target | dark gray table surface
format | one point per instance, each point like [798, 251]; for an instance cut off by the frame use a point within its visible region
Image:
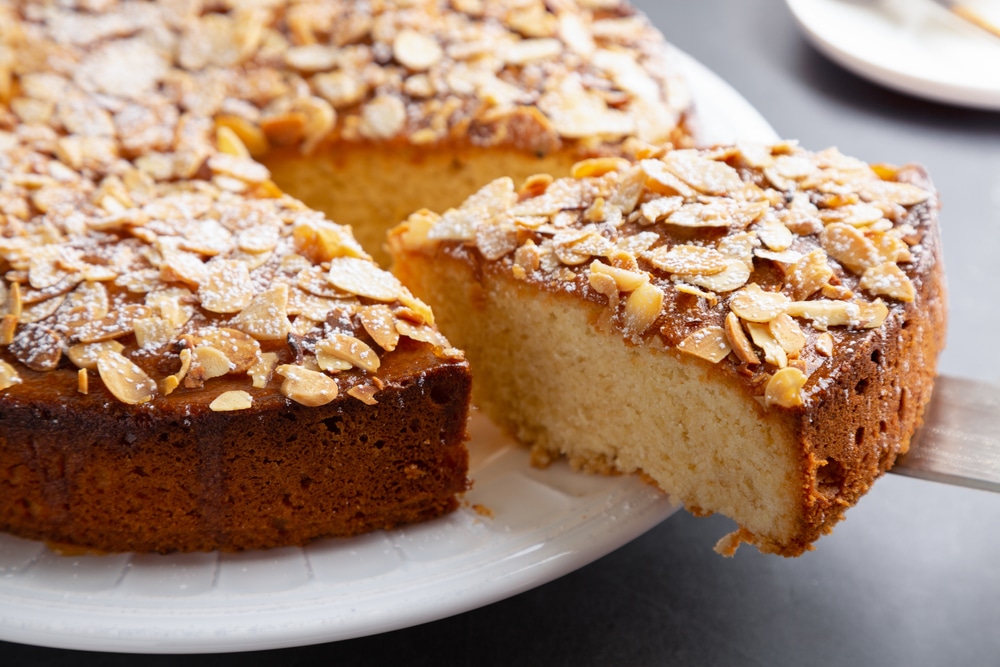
[910, 578]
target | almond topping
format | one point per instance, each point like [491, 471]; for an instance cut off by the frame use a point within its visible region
[642, 308]
[229, 401]
[755, 305]
[688, 260]
[265, 317]
[849, 246]
[709, 343]
[363, 278]
[8, 375]
[260, 372]
[126, 381]
[625, 280]
[380, 324]
[824, 344]
[784, 388]
[774, 354]
[349, 349]
[227, 287]
[739, 341]
[308, 387]
[888, 280]
[415, 51]
[788, 333]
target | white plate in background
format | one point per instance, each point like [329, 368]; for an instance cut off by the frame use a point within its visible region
[541, 524]
[912, 46]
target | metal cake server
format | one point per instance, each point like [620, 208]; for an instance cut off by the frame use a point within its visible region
[959, 442]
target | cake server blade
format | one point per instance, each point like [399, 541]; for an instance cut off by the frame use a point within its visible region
[959, 442]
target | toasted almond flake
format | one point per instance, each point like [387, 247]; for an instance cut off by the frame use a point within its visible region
[808, 275]
[230, 401]
[889, 280]
[415, 51]
[774, 234]
[788, 333]
[250, 137]
[41, 310]
[687, 259]
[83, 381]
[684, 288]
[212, 361]
[707, 176]
[661, 180]
[8, 327]
[226, 287]
[594, 167]
[171, 382]
[321, 240]
[823, 313]
[364, 393]
[659, 209]
[850, 247]
[734, 276]
[717, 213]
[904, 194]
[625, 280]
[347, 348]
[383, 118]
[761, 335]
[824, 344]
[126, 381]
[260, 372]
[380, 324]
[265, 316]
[8, 376]
[308, 387]
[755, 305]
[708, 343]
[642, 308]
[423, 333]
[872, 315]
[784, 388]
[312, 57]
[363, 278]
[115, 324]
[739, 341]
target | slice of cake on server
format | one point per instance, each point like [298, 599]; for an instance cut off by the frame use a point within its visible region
[755, 328]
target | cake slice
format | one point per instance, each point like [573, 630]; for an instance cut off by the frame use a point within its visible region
[754, 328]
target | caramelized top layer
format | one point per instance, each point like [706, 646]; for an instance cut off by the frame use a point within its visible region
[769, 259]
[149, 78]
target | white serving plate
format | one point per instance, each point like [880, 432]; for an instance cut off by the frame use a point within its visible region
[912, 46]
[541, 524]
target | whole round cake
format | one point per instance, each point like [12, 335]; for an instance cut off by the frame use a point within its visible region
[192, 359]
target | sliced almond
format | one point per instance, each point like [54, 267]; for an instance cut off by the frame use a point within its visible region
[265, 316]
[212, 362]
[761, 335]
[260, 372]
[231, 401]
[808, 275]
[415, 51]
[734, 276]
[624, 279]
[708, 343]
[363, 278]
[687, 259]
[8, 376]
[84, 355]
[784, 388]
[889, 280]
[739, 341]
[126, 381]
[707, 176]
[824, 344]
[380, 324]
[642, 308]
[849, 246]
[308, 387]
[364, 393]
[788, 333]
[349, 349]
[755, 305]
[226, 288]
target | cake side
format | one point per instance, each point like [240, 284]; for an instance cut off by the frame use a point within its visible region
[784, 276]
[174, 475]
